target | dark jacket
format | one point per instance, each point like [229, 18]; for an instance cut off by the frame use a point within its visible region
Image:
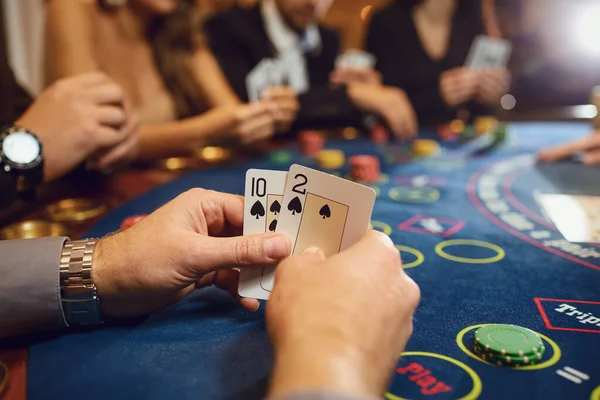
[239, 41]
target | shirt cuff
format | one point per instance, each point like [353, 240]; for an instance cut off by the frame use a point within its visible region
[29, 286]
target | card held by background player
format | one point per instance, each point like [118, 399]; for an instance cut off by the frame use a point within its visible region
[322, 210]
[262, 205]
[487, 52]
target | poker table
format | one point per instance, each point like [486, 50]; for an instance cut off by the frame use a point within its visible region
[471, 234]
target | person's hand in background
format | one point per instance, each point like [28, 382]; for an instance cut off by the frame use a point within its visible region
[347, 75]
[458, 85]
[492, 85]
[339, 324]
[588, 147]
[248, 123]
[77, 117]
[392, 104]
[284, 106]
[189, 243]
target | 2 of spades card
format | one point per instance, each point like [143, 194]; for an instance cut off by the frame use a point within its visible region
[321, 210]
[262, 207]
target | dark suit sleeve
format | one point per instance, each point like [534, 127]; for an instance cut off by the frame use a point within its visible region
[230, 54]
[29, 286]
[324, 107]
[389, 63]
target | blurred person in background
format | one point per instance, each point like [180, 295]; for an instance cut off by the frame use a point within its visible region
[421, 46]
[155, 51]
[82, 118]
[243, 37]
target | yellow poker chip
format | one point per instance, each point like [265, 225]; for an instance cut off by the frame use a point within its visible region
[485, 124]
[331, 159]
[425, 147]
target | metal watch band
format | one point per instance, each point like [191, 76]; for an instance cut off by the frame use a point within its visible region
[78, 292]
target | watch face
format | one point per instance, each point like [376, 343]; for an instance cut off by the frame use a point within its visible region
[21, 148]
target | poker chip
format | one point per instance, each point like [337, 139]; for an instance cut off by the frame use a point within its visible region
[364, 168]
[425, 147]
[331, 159]
[280, 157]
[379, 135]
[130, 221]
[507, 360]
[311, 142]
[446, 133]
[499, 341]
[485, 124]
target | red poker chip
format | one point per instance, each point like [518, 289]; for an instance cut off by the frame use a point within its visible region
[130, 221]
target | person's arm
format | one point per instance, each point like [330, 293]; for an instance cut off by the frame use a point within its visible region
[490, 19]
[29, 287]
[69, 38]
[325, 107]
[211, 80]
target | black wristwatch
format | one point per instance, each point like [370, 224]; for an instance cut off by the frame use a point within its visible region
[21, 157]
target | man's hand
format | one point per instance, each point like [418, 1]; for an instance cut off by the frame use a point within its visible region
[348, 75]
[249, 123]
[493, 84]
[187, 244]
[391, 104]
[284, 106]
[589, 146]
[458, 85]
[340, 324]
[78, 117]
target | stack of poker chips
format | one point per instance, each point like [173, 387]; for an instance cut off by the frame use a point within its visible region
[364, 168]
[379, 135]
[508, 345]
[311, 142]
[425, 147]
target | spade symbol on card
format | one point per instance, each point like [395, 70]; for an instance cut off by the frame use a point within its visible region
[295, 206]
[275, 207]
[273, 225]
[257, 210]
[325, 212]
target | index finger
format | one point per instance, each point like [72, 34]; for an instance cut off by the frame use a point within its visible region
[277, 92]
[90, 79]
[568, 149]
[373, 249]
[222, 211]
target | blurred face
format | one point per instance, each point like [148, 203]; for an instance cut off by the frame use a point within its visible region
[299, 14]
[157, 6]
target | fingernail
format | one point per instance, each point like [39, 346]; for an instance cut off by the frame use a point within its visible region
[311, 251]
[277, 247]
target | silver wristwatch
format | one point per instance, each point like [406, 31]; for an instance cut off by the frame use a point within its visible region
[80, 302]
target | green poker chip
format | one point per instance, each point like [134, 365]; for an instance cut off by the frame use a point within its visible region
[280, 157]
[505, 339]
[530, 352]
[508, 361]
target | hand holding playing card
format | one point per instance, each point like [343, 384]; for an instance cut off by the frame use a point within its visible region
[189, 243]
[284, 106]
[347, 75]
[354, 307]
[589, 146]
[458, 85]
[492, 85]
[392, 104]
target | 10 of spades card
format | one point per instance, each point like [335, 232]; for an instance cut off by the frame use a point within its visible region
[262, 206]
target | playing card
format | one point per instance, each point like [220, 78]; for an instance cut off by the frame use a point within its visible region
[262, 206]
[355, 59]
[576, 217]
[322, 210]
[487, 52]
[293, 70]
[259, 79]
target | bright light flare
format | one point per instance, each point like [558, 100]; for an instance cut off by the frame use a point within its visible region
[586, 29]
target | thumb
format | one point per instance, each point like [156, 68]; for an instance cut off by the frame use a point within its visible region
[260, 249]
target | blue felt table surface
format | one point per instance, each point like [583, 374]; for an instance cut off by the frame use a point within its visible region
[206, 347]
